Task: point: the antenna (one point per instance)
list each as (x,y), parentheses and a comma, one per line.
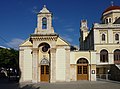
(112,3)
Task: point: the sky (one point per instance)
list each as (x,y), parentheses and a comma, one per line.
(18,18)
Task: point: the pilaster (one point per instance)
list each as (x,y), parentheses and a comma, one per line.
(53,65)
(67,77)
(35,66)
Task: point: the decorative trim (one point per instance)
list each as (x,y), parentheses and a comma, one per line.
(44,37)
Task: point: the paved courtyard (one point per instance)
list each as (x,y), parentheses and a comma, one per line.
(5,84)
(75,85)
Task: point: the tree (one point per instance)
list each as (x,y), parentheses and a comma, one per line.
(9,58)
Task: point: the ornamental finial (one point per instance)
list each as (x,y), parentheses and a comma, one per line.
(44,6)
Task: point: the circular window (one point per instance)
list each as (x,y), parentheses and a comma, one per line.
(44,48)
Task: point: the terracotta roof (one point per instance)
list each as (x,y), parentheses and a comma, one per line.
(112,8)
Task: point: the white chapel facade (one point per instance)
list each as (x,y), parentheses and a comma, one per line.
(46,57)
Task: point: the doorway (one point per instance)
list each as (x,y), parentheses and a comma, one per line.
(82,69)
(45,73)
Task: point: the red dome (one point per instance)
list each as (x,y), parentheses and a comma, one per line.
(112,8)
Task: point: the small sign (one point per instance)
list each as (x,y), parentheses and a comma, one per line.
(93,71)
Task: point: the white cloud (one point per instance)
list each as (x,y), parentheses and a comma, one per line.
(67,38)
(68,26)
(14,43)
(55,18)
(70,29)
(35,10)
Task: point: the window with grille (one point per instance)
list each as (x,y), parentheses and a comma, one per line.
(82,61)
(47,69)
(42,69)
(103,37)
(117,55)
(116,37)
(84,69)
(79,69)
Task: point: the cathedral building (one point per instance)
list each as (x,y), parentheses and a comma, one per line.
(46,57)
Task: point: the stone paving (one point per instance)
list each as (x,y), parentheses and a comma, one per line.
(101,84)
(74,85)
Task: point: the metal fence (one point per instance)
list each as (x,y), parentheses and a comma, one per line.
(103,76)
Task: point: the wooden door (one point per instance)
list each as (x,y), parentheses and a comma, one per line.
(45,73)
(82,72)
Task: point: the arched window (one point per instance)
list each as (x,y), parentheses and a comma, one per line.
(117,55)
(104,56)
(44,47)
(44,23)
(116,37)
(103,37)
(110,20)
(82,61)
(106,21)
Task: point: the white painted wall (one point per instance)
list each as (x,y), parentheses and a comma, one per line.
(60,64)
(72,58)
(93,57)
(96,36)
(110,36)
(27,65)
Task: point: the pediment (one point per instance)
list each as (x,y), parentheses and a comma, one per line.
(26,43)
(61,41)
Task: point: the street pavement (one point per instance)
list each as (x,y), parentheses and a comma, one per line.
(7,84)
(101,84)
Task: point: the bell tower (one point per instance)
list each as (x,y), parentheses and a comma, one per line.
(44,46)
(83,33)
(44,22)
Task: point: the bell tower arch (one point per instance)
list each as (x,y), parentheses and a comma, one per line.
(44,22)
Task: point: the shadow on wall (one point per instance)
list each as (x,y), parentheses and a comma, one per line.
(19,74)
(115,73)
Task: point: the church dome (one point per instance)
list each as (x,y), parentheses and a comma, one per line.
(111,14)
(112,8)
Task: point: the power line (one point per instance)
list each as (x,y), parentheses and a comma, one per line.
(10,45)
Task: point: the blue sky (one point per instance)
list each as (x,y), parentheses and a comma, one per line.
(18,18)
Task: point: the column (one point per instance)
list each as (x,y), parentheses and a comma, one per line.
(53,65)
(35,66)
(67,77)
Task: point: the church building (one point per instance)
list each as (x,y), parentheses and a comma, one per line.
(46,57)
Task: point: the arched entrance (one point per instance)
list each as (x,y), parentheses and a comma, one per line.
(82,69)
(44,70)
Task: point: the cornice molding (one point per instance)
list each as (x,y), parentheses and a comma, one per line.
(42,37)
